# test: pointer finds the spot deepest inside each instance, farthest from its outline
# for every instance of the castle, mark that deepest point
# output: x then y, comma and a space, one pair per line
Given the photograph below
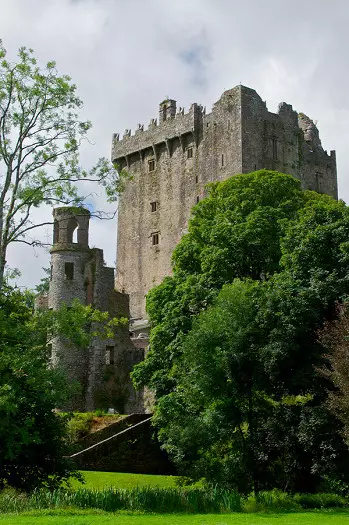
170, 163
173, 160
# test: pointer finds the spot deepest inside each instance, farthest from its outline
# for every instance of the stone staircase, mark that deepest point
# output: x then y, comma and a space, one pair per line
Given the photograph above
134, 451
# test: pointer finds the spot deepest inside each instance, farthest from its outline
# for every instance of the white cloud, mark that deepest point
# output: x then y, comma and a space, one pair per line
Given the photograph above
127, 55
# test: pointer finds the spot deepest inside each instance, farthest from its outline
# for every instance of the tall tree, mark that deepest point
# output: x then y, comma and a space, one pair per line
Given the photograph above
242, 360
32, 436
233, 233
40, 135
248, 408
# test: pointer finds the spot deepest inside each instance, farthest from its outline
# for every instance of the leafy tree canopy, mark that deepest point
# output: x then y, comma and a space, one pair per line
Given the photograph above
234, 336
31, 436
40, 134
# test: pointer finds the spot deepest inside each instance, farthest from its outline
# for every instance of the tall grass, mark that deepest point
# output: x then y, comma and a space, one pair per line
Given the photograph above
148, 499
167, 500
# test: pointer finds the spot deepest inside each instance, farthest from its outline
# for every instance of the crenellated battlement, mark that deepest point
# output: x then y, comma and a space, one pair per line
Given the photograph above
172, 124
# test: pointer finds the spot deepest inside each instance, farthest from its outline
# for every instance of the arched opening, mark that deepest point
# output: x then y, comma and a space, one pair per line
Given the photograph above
72, 230
55, 232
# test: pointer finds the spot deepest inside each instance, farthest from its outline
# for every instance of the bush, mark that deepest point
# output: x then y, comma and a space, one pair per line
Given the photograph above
78, 425
321, 501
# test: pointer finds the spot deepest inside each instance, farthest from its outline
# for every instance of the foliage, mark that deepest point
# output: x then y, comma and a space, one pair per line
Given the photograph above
44, 285
233, 341
334, 337
145, 499
237, 417
32, 436
40, 136
79, 425
169, 500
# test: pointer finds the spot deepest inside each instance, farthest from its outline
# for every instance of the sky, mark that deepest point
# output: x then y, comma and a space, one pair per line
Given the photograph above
126, 56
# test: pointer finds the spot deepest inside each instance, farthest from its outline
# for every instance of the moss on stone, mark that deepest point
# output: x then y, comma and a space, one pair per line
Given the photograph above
73, 210
68, 247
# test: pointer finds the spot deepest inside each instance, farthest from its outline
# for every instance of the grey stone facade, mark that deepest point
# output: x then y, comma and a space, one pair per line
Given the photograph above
78, 272
173, 160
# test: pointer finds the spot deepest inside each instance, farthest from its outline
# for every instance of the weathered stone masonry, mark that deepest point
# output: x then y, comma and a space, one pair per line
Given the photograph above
78, 272
171, 162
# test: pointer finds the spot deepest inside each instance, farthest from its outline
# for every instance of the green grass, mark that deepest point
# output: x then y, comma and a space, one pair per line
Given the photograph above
66, 517
101, 480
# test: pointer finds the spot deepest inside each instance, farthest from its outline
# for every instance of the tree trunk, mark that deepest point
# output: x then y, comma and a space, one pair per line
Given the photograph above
2, 268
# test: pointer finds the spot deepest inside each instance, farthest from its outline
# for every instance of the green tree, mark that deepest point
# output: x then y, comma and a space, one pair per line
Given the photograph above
44, 285
238, 399
40, 135
248, 409
235, 232
32, 437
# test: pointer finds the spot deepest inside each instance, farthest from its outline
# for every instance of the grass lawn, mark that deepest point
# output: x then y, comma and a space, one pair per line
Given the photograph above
101, 480
101, 518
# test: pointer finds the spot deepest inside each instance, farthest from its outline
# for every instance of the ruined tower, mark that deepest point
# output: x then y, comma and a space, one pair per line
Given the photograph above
173, 160
102, 370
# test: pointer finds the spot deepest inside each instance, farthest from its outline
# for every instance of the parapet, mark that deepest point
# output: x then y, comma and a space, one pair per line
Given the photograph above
172, 124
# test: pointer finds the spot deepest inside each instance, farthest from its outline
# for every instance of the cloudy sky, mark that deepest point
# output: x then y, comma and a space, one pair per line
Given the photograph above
128, 55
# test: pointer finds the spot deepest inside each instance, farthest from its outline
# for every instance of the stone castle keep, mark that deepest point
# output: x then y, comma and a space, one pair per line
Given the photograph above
170, 163
174, 158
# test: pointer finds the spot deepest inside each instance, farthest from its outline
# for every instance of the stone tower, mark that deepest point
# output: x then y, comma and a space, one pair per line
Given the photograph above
173, 160
101, 371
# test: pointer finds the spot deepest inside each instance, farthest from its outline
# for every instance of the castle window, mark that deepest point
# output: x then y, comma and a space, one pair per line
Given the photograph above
222, 160
197, 199
190, 153
155, 239
151, 165
49, 350
72, 230
196, 178
69, 271
154, 206
110, 355
317, 181
275, 148
51, 272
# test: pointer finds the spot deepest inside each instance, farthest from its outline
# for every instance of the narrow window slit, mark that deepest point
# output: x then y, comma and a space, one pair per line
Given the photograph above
110, 355
69, 271
155, 239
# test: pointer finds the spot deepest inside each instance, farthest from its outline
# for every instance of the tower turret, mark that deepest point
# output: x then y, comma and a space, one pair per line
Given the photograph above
69, 282
68, 258
79, 272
